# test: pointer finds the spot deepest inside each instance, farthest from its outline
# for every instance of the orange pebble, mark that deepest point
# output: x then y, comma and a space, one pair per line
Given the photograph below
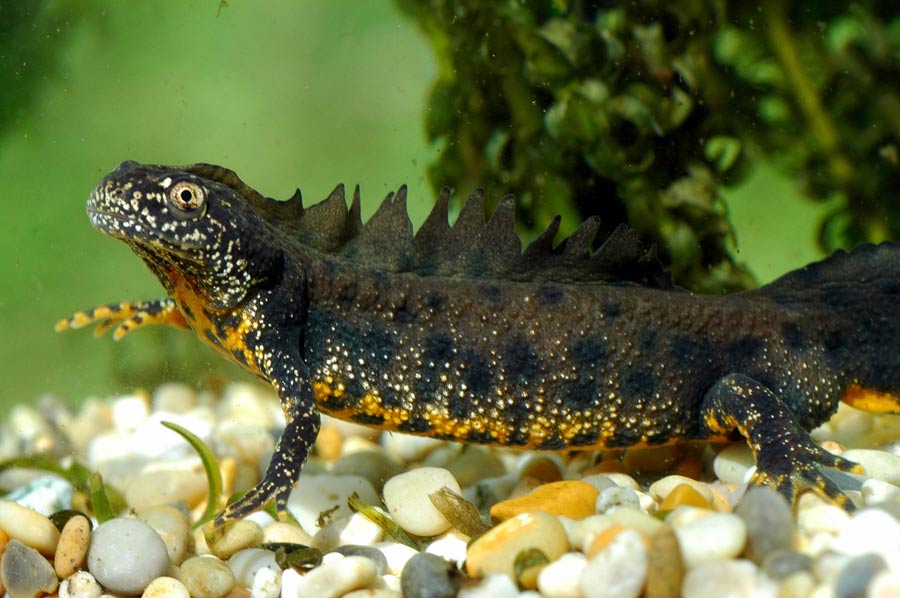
606, 537
541, 468
683, 494
689, 467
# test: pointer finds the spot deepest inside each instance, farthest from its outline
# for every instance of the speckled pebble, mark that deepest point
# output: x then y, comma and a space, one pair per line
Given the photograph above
207, 577
880, 465
258, 570
126, 555
856, 576
369, 552
315, 494
616, 497
46, 495
560, 579
868, 530
617, 571
496, 550
165, 587
172, 526
406, 499
661, 488
717, 536
236, 536
28, 526
781, 564
71, 551
769, 521
396, 555
335, 579
720, 578
492, 586
733, 463
24, 572
570, 498
80, 585
429, 576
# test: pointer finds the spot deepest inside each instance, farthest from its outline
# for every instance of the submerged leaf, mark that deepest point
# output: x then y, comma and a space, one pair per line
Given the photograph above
388, 525
461, 514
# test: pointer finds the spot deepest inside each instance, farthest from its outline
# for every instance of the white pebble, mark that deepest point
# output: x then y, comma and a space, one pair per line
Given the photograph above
884, 585
633, 518
617, 571
406, 498
494, 585
165, 587
126, 555
585, 530
878, 464
28, 526
560, 578
733, 463
337, 578
720, 578
396, 555
868, 530
206, 577
316, 494
290, 583
661, 488
616, 497
718, 536
876, 491
80, 584
356, 529
408, 448
245, 564
817, 518
451, 546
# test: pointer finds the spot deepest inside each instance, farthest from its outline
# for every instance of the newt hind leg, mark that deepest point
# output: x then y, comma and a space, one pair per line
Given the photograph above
787, 459
126, 316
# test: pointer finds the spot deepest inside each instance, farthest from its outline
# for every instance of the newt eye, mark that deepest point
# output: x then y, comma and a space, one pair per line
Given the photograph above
187, 200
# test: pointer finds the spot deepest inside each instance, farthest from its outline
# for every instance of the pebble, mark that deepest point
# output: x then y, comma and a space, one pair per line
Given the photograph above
367, 551
769, 521
375, 466
885, 585
406, 499
665, 567
541, 467
81, 584
173, 397
28, 526
584, 531
496, 550
720, 578
429, 576
880, 465
638, 520
24, 572
798, 584
661, 488
570, 498
474, 463
781, 564
173, 482
374, 593
258, 570
396, 554
206, 577
601, 482
126, 555
408, 448
617, 571
450, 546
356, 529
856, 576
683, 494
286, 533
337, 578
875, 491
173, 528
717, 536
616, 497
560, 579
236, 536
733, 463
868, 530
492, 586
319, 493
815, 516
165, 587
72, 548
46, 495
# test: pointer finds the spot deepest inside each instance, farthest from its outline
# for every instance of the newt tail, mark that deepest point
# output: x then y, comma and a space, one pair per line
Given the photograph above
456, 332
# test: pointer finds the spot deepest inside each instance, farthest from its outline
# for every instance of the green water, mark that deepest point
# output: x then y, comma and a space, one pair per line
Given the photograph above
287, 94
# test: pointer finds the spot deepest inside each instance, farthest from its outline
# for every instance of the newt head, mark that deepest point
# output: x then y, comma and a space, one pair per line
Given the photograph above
181, 223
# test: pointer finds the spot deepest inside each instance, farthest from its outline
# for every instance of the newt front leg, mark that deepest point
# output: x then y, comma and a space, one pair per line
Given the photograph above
126, 316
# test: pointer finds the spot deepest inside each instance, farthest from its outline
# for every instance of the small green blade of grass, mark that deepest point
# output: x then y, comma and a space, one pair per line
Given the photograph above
210, 464
101, 502
387, 524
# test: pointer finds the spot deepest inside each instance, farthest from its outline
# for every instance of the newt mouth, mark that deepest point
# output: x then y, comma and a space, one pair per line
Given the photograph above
123, 227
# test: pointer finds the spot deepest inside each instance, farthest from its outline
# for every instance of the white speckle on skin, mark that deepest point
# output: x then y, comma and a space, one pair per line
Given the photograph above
165, 183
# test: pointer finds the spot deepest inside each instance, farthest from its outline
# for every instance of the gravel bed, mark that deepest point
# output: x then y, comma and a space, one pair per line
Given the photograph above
460, 520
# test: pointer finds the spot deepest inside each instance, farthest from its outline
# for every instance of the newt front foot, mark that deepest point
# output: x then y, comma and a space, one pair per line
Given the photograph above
126, 316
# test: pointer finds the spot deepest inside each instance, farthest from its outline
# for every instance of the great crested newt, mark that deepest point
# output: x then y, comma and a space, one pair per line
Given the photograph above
456, 332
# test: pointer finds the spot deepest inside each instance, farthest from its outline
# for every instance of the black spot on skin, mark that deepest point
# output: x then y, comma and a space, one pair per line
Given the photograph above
553, 443
580, 393
891, 288
389, 397
435, 301
477, 373
415, 425
377, 343
438, 349
520, 361
792, 335
353, 388
188, 312
239, 355
585, 439
836, 349
638, 382
480, 437
517, 437
689, 349
333, 403
137, 319
839, 296
612, 309
212, 337
658, 435
367, 419
224, 323
624, 437
550, 295
458, 410
647, 337
492, 293
476, 268
744, 348
402, 314
589, 353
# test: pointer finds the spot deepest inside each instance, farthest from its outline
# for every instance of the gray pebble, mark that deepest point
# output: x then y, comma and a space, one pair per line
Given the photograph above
429, 576
25, 573
783, 563
367, 551
375, 466
126, 555
46, 495
770, 523
855, 577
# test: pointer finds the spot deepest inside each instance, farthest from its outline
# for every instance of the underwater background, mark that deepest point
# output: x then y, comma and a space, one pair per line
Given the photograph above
285, 93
